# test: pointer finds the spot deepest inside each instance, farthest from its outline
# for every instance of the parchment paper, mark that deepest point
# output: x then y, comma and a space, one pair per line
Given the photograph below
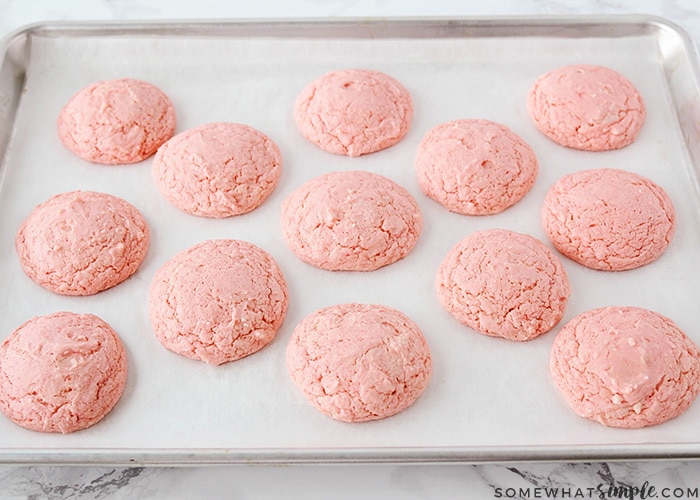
485, 392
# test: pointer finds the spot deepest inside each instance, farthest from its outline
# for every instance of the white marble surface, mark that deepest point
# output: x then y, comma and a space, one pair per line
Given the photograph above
660, 479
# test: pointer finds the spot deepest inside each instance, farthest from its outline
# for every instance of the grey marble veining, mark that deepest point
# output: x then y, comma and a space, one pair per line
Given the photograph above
66, 482
669, 479
517, 480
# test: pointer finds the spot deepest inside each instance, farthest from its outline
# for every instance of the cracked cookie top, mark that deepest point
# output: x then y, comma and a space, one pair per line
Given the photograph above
61, 372
625, 367
351, 221
359, 362
116, 122
475, 167
503, 284
354, 112
218, 301
82, 242
586, 107
218, 169
608, 219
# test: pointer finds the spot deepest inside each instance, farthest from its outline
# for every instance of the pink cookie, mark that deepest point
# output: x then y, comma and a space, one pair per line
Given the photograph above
608, 219
354, 112
503, 284
61, 373
82, 242
116, 122
625, 367
359, 362
351, 221
218, 301
587, 107
218, 169
475, 167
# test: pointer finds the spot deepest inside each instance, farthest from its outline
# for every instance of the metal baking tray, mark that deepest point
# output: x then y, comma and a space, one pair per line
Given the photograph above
489, 399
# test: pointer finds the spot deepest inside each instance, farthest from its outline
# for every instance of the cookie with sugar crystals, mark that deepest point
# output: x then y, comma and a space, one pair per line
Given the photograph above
218, 301
625, 367
359, 362
587, 107
354, 112
351, 221
503, 284
61, 372
475, 167
218, 169
115, 122
609, 219
82, 242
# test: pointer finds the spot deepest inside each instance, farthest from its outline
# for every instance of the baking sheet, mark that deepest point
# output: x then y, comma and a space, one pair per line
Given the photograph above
489, 399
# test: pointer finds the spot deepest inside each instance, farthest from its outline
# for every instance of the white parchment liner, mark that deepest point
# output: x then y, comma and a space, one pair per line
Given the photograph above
485, 392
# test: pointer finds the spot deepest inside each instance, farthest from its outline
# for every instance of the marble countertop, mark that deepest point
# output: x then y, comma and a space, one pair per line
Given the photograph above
637, 479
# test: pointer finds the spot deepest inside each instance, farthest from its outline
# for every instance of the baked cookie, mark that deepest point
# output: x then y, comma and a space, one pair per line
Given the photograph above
354, 112
217, 170
82, 242
587, 107
116, 122
625, 367
359, 362
350, 221
475, 167
61, 373
504, 284
218, 301
608, 219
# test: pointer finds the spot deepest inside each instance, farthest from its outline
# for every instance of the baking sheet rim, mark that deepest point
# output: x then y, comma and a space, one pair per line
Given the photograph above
281, 456
161, 456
